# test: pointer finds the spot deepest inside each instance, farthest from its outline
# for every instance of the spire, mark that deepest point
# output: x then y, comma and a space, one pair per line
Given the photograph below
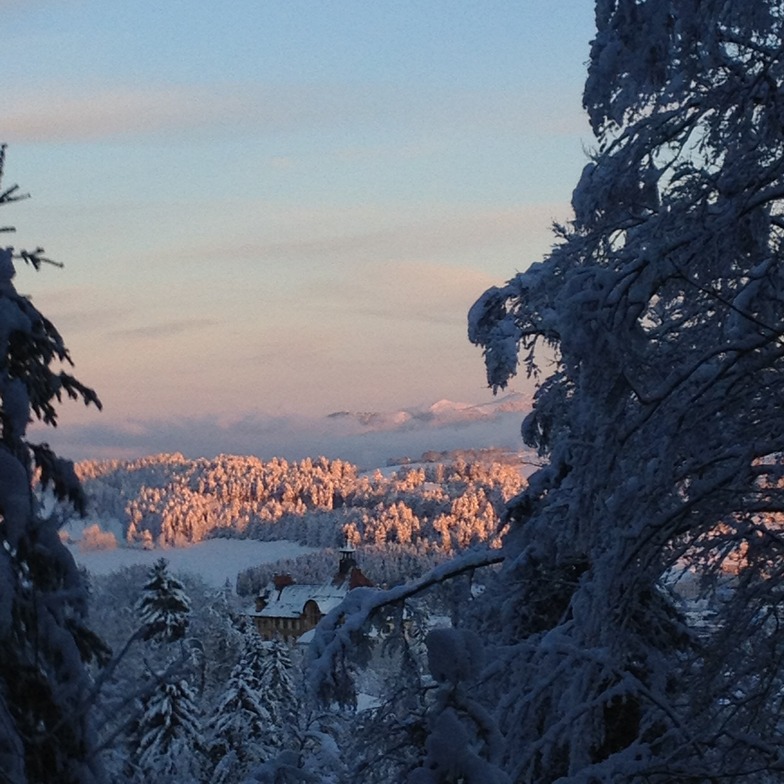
347, 559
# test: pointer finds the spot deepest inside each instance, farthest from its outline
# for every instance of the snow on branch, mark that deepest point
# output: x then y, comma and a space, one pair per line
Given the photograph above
334, 635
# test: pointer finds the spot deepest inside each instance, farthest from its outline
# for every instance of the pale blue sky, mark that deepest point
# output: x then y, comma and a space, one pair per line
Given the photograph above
280, 209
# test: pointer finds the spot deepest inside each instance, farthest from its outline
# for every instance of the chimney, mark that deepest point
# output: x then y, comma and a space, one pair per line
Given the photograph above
280, 581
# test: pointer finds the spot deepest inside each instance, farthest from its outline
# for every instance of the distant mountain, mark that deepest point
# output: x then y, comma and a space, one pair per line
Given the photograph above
367, 438
373, 420
444, 413
371, 438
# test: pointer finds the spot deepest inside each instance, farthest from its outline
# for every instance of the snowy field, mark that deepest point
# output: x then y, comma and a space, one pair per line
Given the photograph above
215, 560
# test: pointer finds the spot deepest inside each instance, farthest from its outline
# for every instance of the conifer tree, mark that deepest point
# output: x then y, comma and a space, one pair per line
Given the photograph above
44, 638
167, 744
278, 690
241, 728
164, 606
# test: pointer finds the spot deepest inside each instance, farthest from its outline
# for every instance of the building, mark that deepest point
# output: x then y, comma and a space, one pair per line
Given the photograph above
287, 610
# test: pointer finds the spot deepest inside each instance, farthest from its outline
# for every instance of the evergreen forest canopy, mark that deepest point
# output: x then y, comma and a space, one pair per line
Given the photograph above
661, 432
169, 500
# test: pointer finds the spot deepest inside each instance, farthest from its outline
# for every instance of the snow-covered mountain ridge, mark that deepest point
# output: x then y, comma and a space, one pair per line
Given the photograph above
444, 413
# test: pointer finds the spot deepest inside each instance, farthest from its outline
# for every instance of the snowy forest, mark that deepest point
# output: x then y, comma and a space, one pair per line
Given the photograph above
617, 618
423, 510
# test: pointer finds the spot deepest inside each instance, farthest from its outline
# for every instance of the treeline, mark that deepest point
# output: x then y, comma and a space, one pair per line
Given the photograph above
386, 565
169, 500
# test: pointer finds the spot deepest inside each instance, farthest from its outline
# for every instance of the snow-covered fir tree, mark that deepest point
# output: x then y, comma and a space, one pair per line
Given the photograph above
241, 729
167, 743
662, 430
278, 689
219, 629
164, 607
45, 733
163, 733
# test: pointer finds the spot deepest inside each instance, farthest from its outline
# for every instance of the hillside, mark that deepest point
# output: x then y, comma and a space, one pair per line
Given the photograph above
166, 500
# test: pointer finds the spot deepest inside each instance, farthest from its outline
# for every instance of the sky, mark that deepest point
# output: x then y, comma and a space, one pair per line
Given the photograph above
271, 210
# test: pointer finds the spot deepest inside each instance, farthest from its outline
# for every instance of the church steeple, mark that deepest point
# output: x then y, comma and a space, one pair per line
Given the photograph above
347, 560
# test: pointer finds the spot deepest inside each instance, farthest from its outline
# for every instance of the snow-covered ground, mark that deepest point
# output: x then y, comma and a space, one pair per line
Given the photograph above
215, 560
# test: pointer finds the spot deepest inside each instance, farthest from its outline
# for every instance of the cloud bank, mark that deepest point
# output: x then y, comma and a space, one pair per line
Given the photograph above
368, 440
